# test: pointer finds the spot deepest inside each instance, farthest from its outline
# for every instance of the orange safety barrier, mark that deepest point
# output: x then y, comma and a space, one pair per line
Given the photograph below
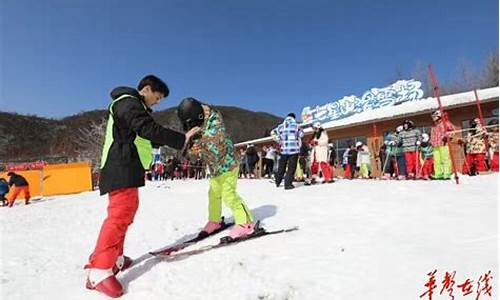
58, 179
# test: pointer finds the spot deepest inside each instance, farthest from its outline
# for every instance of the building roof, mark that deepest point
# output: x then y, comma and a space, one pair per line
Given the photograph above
405, 109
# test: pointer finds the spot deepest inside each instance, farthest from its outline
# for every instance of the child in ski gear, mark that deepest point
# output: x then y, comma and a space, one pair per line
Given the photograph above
319, 154
400, 165
475, 148
439, 140
289, 135
126, 156
304, 163
4, 189
270, 157
18, 185
216, 149
427, 155
390, 161
493, 141
243, 164
346, 158
409, 137
363, 161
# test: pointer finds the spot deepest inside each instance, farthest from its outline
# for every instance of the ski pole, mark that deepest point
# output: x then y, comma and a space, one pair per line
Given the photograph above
388, 153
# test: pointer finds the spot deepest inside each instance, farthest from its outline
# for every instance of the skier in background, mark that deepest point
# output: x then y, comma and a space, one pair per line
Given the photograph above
289, 135
439, 141
475, 148
427, 155
319, 154
363, 160
409, 137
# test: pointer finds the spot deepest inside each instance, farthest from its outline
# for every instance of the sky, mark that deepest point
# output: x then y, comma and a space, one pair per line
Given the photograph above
60, 57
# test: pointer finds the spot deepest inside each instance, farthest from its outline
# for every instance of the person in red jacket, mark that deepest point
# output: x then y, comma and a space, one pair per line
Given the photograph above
127, 153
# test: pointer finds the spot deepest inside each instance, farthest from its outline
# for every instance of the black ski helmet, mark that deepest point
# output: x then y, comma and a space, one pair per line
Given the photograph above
190, 113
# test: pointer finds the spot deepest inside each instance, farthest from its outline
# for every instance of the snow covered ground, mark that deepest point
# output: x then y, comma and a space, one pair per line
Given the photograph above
357, 240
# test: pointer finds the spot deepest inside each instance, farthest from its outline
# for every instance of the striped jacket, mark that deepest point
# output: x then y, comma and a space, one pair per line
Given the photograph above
408, 139
289, 135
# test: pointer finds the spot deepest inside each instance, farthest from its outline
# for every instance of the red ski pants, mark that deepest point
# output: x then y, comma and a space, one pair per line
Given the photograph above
347, 171
476, 159
122, 207
494, 162
428, 167
412, 162
325, 169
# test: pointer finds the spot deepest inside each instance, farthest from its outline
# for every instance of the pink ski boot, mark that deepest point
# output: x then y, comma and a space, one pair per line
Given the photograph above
241, 230
211, 226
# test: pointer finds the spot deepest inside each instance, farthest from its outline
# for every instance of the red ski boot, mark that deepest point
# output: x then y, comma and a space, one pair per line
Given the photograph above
105, 282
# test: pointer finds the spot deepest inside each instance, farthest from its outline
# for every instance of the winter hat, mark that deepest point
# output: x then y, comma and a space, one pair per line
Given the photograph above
425, 137
291, 115
359, 144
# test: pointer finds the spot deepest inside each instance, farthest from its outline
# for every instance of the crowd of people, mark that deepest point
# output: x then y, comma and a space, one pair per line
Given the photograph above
175, 168
406, 153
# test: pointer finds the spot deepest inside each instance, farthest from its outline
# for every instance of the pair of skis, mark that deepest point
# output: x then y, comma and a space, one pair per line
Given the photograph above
174, 252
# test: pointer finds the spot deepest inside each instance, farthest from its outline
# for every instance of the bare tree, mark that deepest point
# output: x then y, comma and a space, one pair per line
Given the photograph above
89, 141
490, 77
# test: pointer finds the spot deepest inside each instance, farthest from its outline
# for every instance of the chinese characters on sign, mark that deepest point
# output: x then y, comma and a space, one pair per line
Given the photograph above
479, 289
397, 93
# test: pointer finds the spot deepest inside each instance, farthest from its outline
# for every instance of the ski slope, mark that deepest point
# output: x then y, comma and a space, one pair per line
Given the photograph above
358, 239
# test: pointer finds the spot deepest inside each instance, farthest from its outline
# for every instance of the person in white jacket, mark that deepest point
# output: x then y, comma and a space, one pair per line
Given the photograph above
363, 160
319, 154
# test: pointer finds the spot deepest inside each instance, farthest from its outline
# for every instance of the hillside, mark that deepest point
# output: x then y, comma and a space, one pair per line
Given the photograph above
25, 137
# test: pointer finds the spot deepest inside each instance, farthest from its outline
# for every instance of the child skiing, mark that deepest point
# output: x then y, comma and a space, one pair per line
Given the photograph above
216, 149
130, 132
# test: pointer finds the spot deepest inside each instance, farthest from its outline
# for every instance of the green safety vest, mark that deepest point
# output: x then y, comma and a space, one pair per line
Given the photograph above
144, 147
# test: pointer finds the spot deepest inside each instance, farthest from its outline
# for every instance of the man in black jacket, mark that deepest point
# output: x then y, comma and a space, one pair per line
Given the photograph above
127, 153
19, 184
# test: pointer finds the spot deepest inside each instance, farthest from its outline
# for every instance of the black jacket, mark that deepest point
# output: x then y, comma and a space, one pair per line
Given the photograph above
123, 168
17, 180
